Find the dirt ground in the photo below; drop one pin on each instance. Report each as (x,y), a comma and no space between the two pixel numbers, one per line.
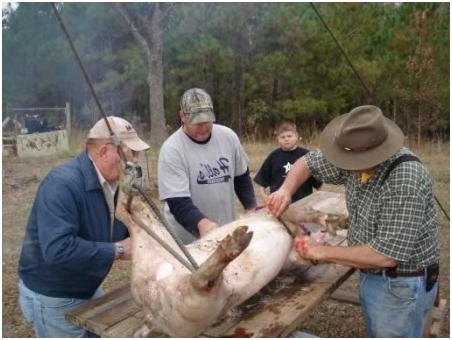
(330,319)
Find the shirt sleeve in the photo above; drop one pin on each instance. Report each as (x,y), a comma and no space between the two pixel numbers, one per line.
(185,213)
(263,176)
(57,220)
(172,176)
(399,224)
(323,170)
(244,190)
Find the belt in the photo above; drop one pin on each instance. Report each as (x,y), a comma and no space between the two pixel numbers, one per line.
(392,272)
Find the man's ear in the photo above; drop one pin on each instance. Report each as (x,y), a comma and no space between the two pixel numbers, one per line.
(182,116)
(102,150)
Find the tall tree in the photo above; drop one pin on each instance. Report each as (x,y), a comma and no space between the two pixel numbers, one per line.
(146,28)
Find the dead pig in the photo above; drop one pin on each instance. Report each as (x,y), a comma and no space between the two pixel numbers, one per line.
(236,261)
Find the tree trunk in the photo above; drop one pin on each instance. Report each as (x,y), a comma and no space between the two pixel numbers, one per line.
(237,111)
(148,33)
(155,78)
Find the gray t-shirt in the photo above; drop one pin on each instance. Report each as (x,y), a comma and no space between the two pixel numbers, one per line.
(203,172)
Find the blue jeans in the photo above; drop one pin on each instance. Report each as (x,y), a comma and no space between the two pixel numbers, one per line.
(47,314)
(395,307)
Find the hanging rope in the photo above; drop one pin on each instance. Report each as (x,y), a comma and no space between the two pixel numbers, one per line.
(362,82)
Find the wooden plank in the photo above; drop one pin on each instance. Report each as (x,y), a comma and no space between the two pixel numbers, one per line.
(93,306)
(276,311)
(110,316)
(99,314)
(435,321)
(286,309)
(127,328)
(346,296)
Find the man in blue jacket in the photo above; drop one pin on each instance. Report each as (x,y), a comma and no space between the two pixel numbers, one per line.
(72,236)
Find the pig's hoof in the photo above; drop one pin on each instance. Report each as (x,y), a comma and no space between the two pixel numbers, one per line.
(142,332)
(240,239)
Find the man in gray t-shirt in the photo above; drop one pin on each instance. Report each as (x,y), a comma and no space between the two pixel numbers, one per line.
(199,168)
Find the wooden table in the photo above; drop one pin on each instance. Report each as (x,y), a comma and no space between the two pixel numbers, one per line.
(276,311)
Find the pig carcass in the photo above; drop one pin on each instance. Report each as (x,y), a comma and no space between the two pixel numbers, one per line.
(235,262)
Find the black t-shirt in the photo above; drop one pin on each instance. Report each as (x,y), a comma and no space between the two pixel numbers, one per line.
(274,170)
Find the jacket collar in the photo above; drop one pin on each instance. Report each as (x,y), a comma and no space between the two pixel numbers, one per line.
(89,172)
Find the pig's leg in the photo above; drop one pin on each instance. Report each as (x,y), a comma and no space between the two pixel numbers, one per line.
(331,222)
(142,332)
(229,248)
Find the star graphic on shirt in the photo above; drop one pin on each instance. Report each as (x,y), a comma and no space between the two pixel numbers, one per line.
(287,167)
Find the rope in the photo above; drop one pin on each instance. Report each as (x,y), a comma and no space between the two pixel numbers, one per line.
(362,82)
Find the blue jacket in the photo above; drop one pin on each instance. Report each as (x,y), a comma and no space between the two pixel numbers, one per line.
(68,250)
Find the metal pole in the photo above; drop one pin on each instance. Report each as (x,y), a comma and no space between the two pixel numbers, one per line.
(162,219)
(67,111)
(79,61)
(342,51)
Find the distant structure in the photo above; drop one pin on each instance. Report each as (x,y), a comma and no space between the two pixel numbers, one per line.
(36,131)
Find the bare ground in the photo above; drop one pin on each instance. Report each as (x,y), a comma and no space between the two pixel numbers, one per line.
(330,319)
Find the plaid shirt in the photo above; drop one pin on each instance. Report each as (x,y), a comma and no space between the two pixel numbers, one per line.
(396,218)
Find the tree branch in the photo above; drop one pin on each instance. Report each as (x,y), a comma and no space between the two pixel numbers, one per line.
(133,27)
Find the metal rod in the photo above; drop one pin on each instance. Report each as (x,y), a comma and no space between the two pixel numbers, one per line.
(162,219)
(79,61)
(442,208)
(164,244)
(342,50)
(115,139)
(361,80)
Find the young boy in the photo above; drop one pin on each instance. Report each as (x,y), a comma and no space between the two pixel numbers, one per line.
(278,163)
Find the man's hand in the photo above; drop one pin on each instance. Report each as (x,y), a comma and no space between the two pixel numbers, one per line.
(205,226)
(308,248)
(126,249)
(278,201)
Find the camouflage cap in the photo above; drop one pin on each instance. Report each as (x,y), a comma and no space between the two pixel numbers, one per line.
(197,104)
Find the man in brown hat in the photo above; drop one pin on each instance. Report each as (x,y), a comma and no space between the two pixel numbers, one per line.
(393,233)
(72,236)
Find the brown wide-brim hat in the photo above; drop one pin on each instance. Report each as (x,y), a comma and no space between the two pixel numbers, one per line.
(360,139)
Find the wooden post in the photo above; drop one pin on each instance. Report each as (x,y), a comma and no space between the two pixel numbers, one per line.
(67,112)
